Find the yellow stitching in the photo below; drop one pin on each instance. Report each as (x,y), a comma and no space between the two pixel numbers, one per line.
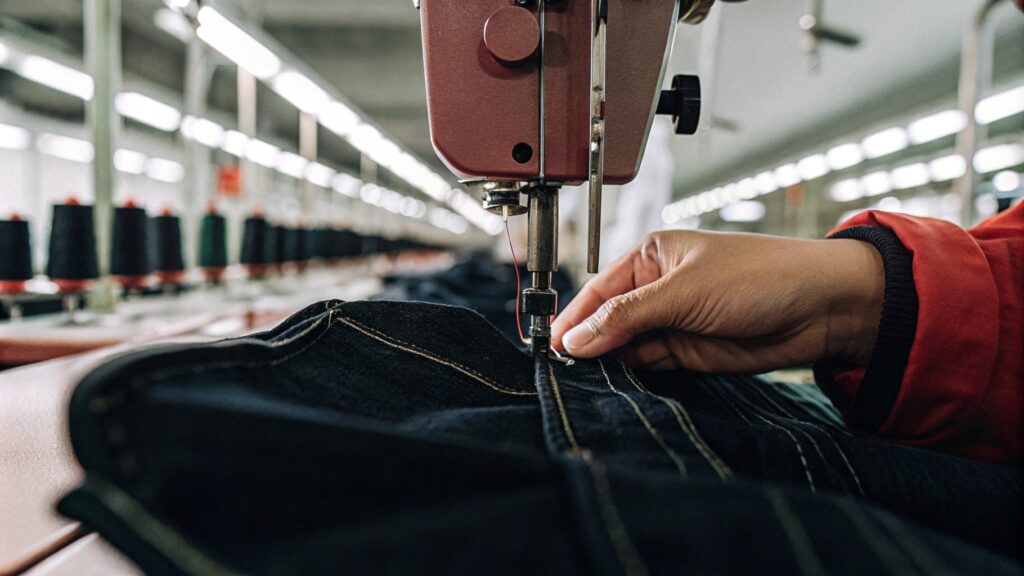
(690,429)
(561,409)
(625,550)
(894,559)
(680,465)
(159,375)
(856,479)
(399,344)
(842,454)
(800,542)
(799,448)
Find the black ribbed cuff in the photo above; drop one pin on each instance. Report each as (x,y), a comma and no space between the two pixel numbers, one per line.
(881,385)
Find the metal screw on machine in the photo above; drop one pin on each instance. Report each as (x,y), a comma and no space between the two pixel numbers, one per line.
(682,102)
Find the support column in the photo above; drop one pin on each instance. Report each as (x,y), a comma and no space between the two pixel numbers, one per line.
(103,62)
(196,191)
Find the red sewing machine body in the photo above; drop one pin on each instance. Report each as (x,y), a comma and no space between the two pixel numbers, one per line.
(491,74)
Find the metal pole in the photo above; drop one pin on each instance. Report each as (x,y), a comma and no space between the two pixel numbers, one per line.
(308,150)
(975,76)
(247,126)
(103,57)
(197,157)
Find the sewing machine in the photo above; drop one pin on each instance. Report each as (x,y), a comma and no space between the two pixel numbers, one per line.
(527,95)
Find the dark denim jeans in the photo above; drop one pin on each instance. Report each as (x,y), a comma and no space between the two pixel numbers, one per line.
(476,282)
(394,438)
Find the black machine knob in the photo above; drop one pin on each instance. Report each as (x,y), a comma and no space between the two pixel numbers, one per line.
(682,102)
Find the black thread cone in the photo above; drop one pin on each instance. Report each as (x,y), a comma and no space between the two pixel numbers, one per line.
(293,245)
(253,240)
(213,242)
(15,251)
(270,244)
(129,244)
(167,244)
(72,244)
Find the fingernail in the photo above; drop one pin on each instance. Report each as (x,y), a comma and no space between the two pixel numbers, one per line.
(578,337)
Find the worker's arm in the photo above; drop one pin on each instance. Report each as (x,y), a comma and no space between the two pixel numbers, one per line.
(916,324)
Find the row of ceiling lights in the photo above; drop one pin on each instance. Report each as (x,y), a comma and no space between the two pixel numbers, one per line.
(242,49)
(850,154)
(77,150)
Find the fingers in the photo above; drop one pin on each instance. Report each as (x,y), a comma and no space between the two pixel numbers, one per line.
(618,321)
(614,280)
(635,269)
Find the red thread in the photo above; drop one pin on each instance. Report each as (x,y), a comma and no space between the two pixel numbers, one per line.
(519,290)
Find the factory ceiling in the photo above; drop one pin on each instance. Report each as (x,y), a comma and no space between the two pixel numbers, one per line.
(766,103)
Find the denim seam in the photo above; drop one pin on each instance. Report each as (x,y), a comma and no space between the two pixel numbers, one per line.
(799,448)
(672,455)
(721,468)
(799,541)
(566,426)
(412,349)
(160,375)
(622,543)
(798,424)
(125,461)
(894,560)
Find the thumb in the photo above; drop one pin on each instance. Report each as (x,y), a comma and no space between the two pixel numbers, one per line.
(617,321)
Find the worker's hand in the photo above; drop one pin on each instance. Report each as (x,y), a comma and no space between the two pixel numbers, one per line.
(716,302)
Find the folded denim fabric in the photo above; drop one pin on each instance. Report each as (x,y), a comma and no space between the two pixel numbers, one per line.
(476,282)
(404,438)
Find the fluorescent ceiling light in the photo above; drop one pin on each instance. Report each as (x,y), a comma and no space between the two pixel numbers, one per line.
(262,153)
(291,164)
(999,106)
(728,194)
(844,156)
(56,76)
(947,168)
(876,183)
(747,188)
(936,126)
(319,174)
(765,182)
(302,92)
(129,161)
(236,45)
(338,118)
(206,132)
(174,23)
(998,157)
(165,170)
(889,204)
(148,111)
(847,190)
(65,147)
(234,143)
(14,138)
(749,211)
(910,176)
(787,175)
(812,167)
(346,184)
(885,142)
(1006,181)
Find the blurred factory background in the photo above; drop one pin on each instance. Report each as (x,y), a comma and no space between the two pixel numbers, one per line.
(312,115)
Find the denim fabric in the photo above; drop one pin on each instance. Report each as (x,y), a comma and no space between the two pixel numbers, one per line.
(476,282)
(396,438)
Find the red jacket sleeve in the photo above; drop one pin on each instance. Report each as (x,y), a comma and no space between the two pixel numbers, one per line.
(962,389)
